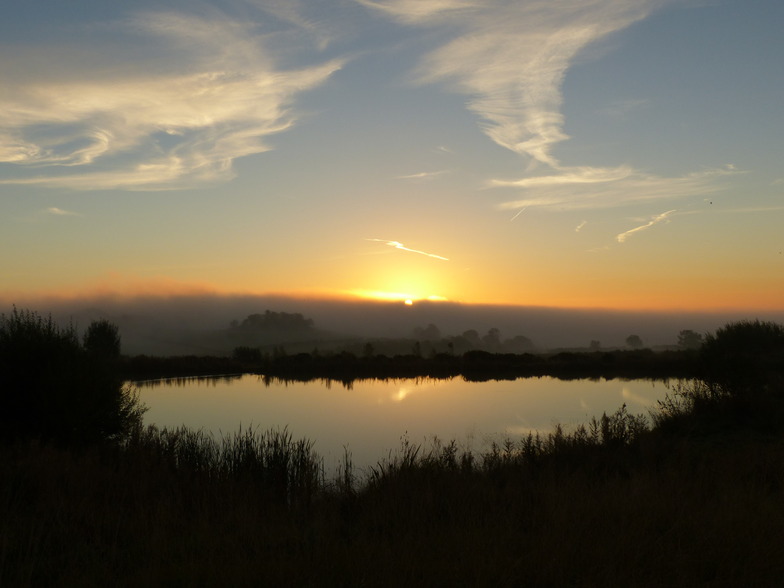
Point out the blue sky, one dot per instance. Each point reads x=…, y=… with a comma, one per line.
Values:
x=601, y=153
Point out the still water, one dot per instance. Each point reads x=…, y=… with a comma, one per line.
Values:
x=370, y=417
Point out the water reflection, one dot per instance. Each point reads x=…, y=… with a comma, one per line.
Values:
x=181, y=381
x=370, y=417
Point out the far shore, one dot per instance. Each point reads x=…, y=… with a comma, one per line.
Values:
x=472, y=365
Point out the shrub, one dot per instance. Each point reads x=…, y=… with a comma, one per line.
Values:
x=52, y=388
x=742, y=356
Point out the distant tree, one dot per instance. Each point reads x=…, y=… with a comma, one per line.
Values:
x=472, y=338
x=272, y=320
x=102, y=339
x=417, y=349
x=492, y=339
x=247, y=354
x=518, y=344
x=688, y=339
x=428, y=333
x=368, y=351
x=56, y=389
x=634, y=341
x=595, y=345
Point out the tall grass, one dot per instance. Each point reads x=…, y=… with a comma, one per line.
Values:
x=282, y=469
x=621, y=500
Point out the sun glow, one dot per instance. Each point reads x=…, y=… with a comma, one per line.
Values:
x=406, y=298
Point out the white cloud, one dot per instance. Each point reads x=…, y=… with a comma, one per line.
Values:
x=510, y=57
x=580, y=175
x=656, y=220
x=518, y=213
x=634, y=188
x=419, y=11
x=60, y=212
x=214, y=95
x=422, y=175
x=580, y=227
x=399, y=245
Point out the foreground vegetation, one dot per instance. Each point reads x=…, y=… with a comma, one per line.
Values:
x=55, y=387
x=690, y=497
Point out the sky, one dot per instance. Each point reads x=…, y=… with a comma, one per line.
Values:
x=617, y=154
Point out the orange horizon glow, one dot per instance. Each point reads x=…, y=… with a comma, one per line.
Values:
x=124, y=287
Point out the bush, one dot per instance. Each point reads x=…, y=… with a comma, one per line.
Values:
x=54, y=389
x=742, y=356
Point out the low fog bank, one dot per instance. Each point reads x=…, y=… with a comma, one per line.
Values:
x=180, y=325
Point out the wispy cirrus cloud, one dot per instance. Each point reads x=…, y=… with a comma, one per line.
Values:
x=663, y=217
x=417, y=11
x=212, y=95
x=399, y=245
x=60, y=212
x=422, y=175
x=570, y=176
x=511, y=58
x=636, y=187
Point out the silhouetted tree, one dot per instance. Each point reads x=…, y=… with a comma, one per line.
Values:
x=634, y=341
x=247, y=354
x=53, y=388
x=493, y=339
x=368, y=351
x=688, y=339
x=742, y=355
x=102, y=339
x=595, y=345
x=472, y=336
x=271, y=320
x=428, y=333
x=518, y=344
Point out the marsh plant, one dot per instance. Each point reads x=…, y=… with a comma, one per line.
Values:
x=281, y=468
x=54, y=388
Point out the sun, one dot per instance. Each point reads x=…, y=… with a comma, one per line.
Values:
x=407, y=298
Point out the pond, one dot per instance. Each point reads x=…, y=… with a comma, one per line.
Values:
x=370, y=418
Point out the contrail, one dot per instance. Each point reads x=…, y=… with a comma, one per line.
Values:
x=60, y=212
x=519, y=212
x=399, y=245
x=662, y=217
